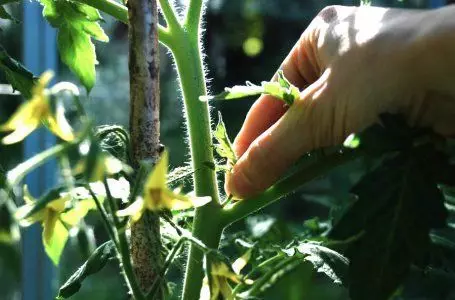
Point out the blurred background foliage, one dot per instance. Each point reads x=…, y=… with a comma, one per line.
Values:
x=244, y=40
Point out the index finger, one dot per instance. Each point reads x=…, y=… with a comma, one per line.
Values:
x=299, y=70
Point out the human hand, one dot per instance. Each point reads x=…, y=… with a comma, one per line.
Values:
x=355, y=62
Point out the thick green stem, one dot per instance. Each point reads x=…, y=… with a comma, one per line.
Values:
x=206, y=225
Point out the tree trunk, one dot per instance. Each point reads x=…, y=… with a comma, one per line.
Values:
x=145, y=242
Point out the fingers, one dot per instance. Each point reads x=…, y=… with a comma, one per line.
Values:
x=276, y=149
x=299, y=70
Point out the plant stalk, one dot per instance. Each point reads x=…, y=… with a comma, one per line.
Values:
x=145, y=241
x=243, y=208
x=206, y=224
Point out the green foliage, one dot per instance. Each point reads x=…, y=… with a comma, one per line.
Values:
x=77, y=24
x=395, y=228
x=115, y=140
x=93, y=265
x=397, y=205
x=281, y=89
x=20, y=78
x=324, y=260
x=224, y=146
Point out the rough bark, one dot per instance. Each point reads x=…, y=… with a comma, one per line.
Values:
x=145, y=242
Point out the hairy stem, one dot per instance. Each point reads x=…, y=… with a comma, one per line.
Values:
x=145, y=242
x=206, y=225
x=286, y=185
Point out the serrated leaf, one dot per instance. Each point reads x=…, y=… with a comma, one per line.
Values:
x=77, y=24
x=94, y=264
x=224, y=146
x=326, y=261
x=78, y=53
x=397, y=205
x=17, y=75
x=282, y=80
x=282, y=90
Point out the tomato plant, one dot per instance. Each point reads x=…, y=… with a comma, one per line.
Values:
x=399, y=221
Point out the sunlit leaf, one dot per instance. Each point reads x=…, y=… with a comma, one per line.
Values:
x=282, y=89
x=324, y=260
x=224, y=146
x=93, y=265
x=77, y=24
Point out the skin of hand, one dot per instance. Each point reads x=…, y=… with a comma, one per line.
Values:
x=352, y=63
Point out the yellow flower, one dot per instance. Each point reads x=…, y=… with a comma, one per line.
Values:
x=35, y=111
x=54, y=219
x=157, y=194
x=217, y=285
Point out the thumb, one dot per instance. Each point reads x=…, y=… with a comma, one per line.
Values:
x=276, y=149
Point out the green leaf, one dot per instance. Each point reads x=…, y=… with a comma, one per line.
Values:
x=77, y=24
x=17, y=75
x=324, y=260
x=282, y=89
x=78, y=53
x=94, y=264
x=224, y=146
x=115, y=140
x=397, y=206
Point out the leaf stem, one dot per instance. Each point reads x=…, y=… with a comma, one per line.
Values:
x=123, y=249
x=193, y=16
x=108, y=224
x=168, y=11
x=290, y=262
x=267, y=263
x=286, y=185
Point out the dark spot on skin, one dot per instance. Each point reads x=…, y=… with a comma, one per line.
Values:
x=329, y=14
